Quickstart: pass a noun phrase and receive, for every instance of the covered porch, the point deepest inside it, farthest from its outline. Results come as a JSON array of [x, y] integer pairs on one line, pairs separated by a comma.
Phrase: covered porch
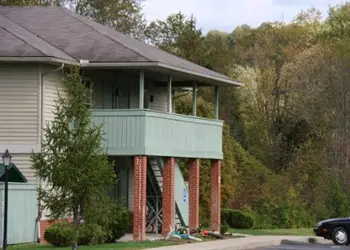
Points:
[[143, 131]]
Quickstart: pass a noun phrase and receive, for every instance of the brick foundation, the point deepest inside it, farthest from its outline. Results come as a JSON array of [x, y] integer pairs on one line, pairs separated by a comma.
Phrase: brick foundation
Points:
[[140, 192], [168, 212], [215, 195], [193, 182]]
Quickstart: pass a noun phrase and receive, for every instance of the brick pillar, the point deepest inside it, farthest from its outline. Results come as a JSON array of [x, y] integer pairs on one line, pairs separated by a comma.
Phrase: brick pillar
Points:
[[140, 186], [168, 202], [215, 195], [193, 182]]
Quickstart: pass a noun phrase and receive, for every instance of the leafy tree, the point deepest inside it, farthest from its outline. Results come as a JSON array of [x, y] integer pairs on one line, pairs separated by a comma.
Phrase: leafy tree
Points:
[[123, 15], [71, 163], [178, 35]]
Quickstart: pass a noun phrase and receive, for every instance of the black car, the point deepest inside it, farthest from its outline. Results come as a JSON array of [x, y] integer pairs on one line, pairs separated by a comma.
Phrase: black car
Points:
[[336, 230]]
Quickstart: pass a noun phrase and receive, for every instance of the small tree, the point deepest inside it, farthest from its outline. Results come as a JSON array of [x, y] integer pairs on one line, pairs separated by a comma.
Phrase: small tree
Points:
[[72, 163]]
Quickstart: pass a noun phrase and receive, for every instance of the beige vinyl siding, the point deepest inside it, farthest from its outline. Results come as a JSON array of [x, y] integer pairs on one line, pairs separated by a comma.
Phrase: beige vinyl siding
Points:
[[160, 98], [52, 83], [19, 104], [23, 163]]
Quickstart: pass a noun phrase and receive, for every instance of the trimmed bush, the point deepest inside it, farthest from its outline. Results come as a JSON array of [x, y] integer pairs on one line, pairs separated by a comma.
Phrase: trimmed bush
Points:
[[237, 218], [224, 228], [225, 215], [60, 234], [120, 222], [90, 234]]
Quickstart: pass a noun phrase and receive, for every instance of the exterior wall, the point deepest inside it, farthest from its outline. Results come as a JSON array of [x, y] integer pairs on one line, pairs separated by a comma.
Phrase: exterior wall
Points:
[[160, 98], [106, 84], [52, 84], [19, 105], [20, 113]]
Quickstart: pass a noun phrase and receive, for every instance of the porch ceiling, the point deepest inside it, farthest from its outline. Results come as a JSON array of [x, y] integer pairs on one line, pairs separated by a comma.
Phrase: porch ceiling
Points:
[[161, 73]]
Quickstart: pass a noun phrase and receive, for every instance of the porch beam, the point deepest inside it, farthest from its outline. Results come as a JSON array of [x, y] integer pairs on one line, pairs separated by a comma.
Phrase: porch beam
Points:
[[194, 99], [170, 97], [141, 89], [217, 100]]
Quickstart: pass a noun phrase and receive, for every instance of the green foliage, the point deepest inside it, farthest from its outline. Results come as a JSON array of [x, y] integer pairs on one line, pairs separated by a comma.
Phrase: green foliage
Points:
[[338, 203], [224, 228], [96, 230], [72, 163], [237, 218], [120, 222], [285, 142], [60, 234], [178, 35], [125, 16], [91, 234]]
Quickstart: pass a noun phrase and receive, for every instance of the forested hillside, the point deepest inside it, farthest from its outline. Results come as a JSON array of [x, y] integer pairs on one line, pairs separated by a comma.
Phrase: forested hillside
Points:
[[287, 131]]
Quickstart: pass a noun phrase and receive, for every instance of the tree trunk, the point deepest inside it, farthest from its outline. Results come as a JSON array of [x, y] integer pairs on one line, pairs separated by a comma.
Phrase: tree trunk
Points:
[[75, 226]]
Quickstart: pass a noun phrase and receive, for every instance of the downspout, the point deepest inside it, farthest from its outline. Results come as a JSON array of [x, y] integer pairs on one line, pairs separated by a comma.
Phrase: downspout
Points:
[[41, 75]]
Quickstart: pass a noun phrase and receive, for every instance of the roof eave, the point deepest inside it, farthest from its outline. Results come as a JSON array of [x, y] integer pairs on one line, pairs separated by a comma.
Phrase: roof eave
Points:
[[37, 60], [147, 65], [126, 65]]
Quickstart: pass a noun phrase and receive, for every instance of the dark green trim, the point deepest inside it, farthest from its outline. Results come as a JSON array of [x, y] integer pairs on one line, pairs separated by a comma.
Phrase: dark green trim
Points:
[[15, 175]]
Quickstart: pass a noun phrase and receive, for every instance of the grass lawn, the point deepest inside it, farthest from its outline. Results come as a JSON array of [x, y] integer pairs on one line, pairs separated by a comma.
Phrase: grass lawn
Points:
[[122, 245], [297, 231]]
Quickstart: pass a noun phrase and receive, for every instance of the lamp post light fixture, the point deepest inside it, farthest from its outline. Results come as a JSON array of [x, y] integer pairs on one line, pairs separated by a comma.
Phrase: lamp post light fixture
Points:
[[6, 159]]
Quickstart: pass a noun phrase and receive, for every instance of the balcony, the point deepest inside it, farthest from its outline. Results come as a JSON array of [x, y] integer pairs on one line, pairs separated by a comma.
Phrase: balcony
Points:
[[149, 132]]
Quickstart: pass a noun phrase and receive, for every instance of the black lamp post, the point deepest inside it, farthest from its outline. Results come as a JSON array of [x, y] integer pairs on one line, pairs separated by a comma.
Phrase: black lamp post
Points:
[[6, 159]]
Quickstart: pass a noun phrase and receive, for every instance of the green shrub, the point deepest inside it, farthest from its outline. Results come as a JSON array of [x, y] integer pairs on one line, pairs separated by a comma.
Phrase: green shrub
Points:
[[60, 234], [225, 215], [224, 228], [91, 234], [237, 218], [120, 222]]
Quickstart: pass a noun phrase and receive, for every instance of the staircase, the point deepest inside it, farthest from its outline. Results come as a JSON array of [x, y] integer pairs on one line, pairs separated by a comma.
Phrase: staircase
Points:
[[181, 215]]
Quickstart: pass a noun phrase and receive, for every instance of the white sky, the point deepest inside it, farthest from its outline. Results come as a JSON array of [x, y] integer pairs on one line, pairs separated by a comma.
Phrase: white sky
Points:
[[225, 15]]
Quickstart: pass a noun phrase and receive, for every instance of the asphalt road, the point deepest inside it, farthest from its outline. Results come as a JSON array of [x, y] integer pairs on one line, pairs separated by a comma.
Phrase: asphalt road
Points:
[[306, 247]]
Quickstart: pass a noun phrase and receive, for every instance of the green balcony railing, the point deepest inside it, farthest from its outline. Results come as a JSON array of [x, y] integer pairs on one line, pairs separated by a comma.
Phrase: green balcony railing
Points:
[[148, 132]]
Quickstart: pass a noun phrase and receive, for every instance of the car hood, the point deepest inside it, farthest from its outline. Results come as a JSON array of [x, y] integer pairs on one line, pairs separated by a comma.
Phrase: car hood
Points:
[[330, 220]]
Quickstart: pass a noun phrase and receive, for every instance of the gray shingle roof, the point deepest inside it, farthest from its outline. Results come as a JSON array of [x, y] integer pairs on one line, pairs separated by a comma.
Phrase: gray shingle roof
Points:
[[62, 34]]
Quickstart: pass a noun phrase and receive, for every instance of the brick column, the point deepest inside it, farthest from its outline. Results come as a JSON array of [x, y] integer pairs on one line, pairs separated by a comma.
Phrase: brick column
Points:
[[140, 186], [168, 202], [215, 195], [193, 182]]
